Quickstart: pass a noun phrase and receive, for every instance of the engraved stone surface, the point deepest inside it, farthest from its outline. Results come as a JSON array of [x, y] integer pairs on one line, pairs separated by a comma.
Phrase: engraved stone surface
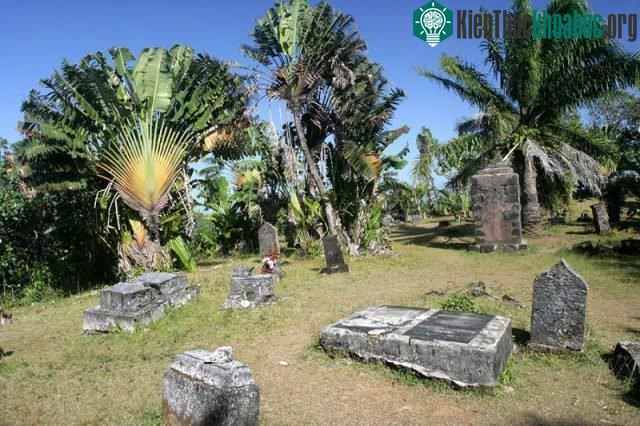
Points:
[[249, 291], [496, 206], [333, 255], [559, 309], [209, 388], [139, 302], [268, 239], [466, 349], [600, 218]]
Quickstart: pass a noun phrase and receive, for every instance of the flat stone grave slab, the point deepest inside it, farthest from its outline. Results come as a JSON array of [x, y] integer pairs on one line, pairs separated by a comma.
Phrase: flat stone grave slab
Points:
[[463, 348]]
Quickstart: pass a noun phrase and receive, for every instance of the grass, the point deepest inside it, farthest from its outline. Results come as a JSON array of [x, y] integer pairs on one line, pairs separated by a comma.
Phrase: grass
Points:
[[50, 373]]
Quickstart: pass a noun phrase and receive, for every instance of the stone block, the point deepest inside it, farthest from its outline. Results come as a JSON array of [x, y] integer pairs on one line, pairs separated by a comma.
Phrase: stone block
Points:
[[249, 291], [463, 348], [139, 302], [600, 218], [99, 320], [268, 239], [127, 297], [496, 206], [210, 388], [625, 363], [333, 255], [559, 309]]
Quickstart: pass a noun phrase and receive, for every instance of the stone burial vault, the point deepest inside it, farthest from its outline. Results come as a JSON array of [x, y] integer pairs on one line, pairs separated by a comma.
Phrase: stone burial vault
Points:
[[463, 348], [131, 304]]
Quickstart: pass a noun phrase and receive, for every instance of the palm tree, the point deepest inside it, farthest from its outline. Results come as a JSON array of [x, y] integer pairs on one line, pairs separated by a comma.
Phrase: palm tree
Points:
[[422, 170], [137, 123], [521, 118], [305, 52], [84, 107]]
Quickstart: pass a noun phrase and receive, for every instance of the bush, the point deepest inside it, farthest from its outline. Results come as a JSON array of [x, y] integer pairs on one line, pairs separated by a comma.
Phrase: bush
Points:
[[459, 303], [50, 243]]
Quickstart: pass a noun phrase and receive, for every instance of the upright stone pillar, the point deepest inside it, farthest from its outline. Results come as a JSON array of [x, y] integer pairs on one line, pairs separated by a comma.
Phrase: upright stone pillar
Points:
[[600, 218], [496, 206], [268, 239]]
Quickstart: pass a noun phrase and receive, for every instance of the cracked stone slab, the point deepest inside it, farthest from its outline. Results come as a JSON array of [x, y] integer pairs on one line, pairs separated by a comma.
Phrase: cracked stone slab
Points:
[[202, 387], [466, 349]]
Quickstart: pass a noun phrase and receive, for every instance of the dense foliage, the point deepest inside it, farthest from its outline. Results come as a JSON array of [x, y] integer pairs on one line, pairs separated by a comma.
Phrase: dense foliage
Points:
[[521, 118]]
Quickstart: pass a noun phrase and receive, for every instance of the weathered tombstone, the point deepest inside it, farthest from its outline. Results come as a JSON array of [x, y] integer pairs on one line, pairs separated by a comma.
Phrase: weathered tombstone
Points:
[[333, 255], [464, 348], [600, 218], [131, 304], [559, 310], [625, 362], [209, 388], [268, 239], [496, 207], [249, 291]]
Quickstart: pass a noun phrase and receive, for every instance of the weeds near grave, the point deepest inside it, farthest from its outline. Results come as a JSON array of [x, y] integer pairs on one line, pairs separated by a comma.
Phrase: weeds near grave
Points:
[[459, 303]]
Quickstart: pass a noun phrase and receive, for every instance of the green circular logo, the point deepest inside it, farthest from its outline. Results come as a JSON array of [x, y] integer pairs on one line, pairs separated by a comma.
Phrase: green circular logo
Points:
[[432, 23]]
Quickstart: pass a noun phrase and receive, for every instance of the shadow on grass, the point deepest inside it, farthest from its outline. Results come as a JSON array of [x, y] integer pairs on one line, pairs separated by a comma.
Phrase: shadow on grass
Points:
[[520, 336], [4, 354], [438, 237], [625, 371]]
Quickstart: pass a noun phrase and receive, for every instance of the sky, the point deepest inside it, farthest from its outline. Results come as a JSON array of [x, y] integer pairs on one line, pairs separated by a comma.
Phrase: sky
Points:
[[38, 35]]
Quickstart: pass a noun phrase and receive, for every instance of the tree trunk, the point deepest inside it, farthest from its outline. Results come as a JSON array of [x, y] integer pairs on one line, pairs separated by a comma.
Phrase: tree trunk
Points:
[[531, 218], [315, 176]]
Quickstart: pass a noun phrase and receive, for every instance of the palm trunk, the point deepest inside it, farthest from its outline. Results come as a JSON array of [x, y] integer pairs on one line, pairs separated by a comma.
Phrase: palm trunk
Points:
[[315, 176], [531, 218]]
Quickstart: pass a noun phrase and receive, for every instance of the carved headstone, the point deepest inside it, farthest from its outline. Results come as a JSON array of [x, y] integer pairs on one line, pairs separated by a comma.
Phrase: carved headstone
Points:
[[268, 239], [249, 291], [333, 255], [559, 310], [464, 348], [496, 206], [131, 304], [600, 218], [210, 388]]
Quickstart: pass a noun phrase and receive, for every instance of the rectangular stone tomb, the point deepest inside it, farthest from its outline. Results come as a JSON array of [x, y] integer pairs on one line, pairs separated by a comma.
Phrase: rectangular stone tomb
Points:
[[466, 349], [131, 304], [249, 291]]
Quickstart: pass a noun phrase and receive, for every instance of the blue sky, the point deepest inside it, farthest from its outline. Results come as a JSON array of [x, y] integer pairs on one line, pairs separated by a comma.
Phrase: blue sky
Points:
[[37, 35]]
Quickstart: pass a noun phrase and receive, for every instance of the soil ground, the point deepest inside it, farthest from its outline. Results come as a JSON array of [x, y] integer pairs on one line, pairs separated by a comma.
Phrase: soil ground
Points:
[[52, 374]]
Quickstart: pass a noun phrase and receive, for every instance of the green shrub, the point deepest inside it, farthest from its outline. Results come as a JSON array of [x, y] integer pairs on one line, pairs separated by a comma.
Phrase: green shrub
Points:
[[459, 303]]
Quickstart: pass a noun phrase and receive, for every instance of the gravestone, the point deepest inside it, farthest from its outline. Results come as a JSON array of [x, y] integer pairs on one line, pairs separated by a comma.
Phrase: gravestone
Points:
[[559, 309], [209, 388], [600, 218], [625, 362], [128, 305], [249, 291], [463, 348], [268, 239], [496, 207], [333, 255]]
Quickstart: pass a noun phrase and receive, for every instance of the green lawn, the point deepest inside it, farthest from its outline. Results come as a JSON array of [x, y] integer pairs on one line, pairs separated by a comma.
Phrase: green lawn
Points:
[[52, 374]]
